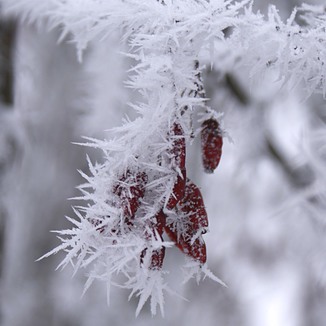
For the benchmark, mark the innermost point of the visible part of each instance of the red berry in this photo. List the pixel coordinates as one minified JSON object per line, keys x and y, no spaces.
{"x":212,"y":142}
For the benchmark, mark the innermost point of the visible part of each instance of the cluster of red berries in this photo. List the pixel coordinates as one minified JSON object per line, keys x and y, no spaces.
{"x":183,"y":216}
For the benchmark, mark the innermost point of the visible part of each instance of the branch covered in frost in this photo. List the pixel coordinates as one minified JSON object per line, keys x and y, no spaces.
{"x":141,"y":191}
{"x":295,"y":51}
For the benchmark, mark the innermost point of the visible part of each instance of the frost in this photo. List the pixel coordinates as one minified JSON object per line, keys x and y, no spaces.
{"x":118,"y":231}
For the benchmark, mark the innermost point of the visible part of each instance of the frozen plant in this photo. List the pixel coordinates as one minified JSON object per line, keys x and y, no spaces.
{"x":141,"y":191}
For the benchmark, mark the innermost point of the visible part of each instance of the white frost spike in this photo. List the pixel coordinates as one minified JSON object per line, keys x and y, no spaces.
{"x":88,"y":283}
{"x":194,"y":269}
{"x":149,"y":284}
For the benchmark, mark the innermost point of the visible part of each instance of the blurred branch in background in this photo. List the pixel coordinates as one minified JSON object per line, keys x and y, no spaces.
{"x":7,"y":39}
{"x":297,"y":176}
{"x":7,"y":143}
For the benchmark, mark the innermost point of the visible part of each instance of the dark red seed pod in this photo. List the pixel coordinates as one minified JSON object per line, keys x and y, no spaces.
{"x":195,"y":250}
{"x":178,"y":163}
{"x":212,"y":142}
{"x":156,"y":225}
{"x":137,"y":191}
{"x":198,"y":250}
{"x":160,"y":222}
{"x":157,"y":255}
{"x":131,"y":189}
{"x":178,"y":190}
{"x":157,"y":258}
{"x":192,"y":205}
{"x":178,"y":150}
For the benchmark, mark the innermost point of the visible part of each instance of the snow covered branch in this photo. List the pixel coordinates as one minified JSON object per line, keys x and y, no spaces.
{"x":295,"y":51}
{"x":141,"y":191}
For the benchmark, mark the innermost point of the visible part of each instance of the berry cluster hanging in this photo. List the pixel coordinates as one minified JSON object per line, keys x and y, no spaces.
{"x":181,"y":215}
{"x":140,"y":200}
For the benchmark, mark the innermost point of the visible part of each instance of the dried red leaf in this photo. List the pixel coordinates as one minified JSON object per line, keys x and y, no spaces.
{"x":212,"y":142}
